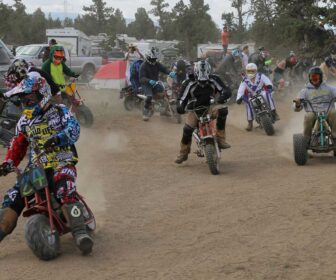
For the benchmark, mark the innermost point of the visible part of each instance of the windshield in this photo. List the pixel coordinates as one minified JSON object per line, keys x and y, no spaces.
{"x":29,"y":50}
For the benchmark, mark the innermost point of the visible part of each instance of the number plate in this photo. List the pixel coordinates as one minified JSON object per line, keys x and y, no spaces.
{"x":32,"y":180}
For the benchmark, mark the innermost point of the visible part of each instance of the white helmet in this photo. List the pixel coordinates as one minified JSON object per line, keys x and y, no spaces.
{"x":202,"y":70}
{"x":251,"y":70}
{"x":152,"y":55}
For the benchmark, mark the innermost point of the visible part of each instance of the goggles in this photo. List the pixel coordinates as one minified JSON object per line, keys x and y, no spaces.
{"x":315,"y":78}
{"x":251,"y":71}
{"x":58,"y":57}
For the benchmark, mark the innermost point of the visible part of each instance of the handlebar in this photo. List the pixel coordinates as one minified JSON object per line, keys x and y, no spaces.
{"x":306,"y":102}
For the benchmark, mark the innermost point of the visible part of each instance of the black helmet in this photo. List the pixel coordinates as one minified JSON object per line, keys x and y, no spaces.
{"x":16,"y":72}
{"x":315,"y":75}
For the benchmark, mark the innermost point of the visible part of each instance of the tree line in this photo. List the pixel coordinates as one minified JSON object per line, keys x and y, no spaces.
{"x":276,"y":24}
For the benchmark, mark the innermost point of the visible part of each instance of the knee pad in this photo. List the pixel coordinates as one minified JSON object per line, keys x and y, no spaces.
{"x":187,"y":134}
{"x":221,"y":118}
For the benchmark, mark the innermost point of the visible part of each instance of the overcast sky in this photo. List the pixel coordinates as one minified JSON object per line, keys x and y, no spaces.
{"x":128,"y":7}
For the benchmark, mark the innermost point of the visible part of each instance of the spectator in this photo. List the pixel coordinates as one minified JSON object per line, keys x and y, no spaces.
{"x":245,"y":56}
{"x":225,"y":39}
{"x":52,"y":42}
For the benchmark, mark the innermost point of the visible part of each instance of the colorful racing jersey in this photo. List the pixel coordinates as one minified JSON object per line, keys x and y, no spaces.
{"x":33,"y":133}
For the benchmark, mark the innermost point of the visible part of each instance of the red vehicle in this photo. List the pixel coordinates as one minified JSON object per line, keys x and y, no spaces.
{"x":46,"y":222}
{"x":205,"y":136}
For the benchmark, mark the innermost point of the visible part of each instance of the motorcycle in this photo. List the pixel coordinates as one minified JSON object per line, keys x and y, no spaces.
{"x":205,"y":137}
{"x":131,"y":99}
{"x":72,"y":99}
{"x":46,"y":222}
{"x":163,"y":103}
{"x":321,"y":140}
{"x":10,"y":113}
{"x":262,"y":112}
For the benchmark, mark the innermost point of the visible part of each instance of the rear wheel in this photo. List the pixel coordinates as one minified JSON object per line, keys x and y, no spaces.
{"x":300,"y":149}
{"x":267,"y":124}
{"x":84,"y":115}
{"x":212,"y":159}
{"x":88,"y":73}
{"x":44,"y":244}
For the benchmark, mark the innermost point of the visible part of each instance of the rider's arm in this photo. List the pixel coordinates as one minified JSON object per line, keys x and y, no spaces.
{"x":184,"y":94}
{"x":67,"y":71}
{"x":224,"y":90}
{"x":163,"y":69}
{"x":266,"y":80}
{"x":18,"y":146}
{"x":241,"y":91}
{"x":71,"y":129}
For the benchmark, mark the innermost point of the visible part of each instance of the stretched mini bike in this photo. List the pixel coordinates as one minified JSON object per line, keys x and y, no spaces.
{"x":205,"y":137}
{"x":46,"y":222}
{"x":321,"y":140}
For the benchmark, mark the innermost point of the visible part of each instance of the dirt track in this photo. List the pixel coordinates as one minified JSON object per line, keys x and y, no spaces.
{"x":261,"y":218}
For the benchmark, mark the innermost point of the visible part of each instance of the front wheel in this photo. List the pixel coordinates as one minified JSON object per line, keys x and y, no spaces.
{"x":84,"y":115}
{"x":267,"y":124}
{"x":300,"y":149}
{"x":44,"y":244}
{"x":212,"y":158}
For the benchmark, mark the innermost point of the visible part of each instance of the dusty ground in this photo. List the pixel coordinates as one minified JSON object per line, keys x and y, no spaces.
{"x":263,"y":217}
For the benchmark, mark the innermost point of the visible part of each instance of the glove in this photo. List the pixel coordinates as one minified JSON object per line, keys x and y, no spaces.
{"x":51,"y":143}
{"x":152,"y":83}
{"x":240,"y":100}
{"x":172,"y":75}
{"x":5,"y":168}
{"x":179,"y":109}
{"x":221,"y":99}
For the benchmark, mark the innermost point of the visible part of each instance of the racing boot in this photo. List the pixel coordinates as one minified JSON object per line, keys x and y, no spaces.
{"x":8,"y":220}
{"x":221,"y":137}
{"x":184,"y":151}
{"x":145,"y":114}
{"x":275,"y":115}
{"x":74,"y":215}
{"x":249,"y":126}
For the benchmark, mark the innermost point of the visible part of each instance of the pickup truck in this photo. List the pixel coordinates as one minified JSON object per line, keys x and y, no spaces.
{"x":6,"y":58}
{"x":86,"y":66}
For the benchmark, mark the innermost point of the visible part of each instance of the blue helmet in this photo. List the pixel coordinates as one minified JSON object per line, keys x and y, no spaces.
{"x":236,"y":53}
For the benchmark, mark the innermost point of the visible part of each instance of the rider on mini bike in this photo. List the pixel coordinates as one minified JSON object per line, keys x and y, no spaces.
{"x":201,"y":87}
{"x":54,"y":130}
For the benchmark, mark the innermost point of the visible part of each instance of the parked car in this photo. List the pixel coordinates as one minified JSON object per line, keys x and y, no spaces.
{"x":86,"y":66}
{"x":6,"y":58}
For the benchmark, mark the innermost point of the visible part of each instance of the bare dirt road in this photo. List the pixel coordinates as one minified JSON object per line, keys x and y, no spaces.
{"x":263,"y":217}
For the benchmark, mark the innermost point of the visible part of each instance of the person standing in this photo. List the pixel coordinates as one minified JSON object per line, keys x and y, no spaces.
{"x":46,"y":54}
{"x":225,"y":39}
{"x":132,"y":55}
{"x":245,"y":56}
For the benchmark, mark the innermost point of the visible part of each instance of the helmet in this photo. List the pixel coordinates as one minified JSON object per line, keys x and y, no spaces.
{"x":31,"y":90}
{"x":236,"y":53}
{"x":58,"y":54}
{"x":202,"y":70}
{"x":315,"y":75}
{"x":291,"y":53}
{"x":293,"y":60}
{"x":251,"y":70}
{"x":16,"y":72}
{"x":151,"y":56}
